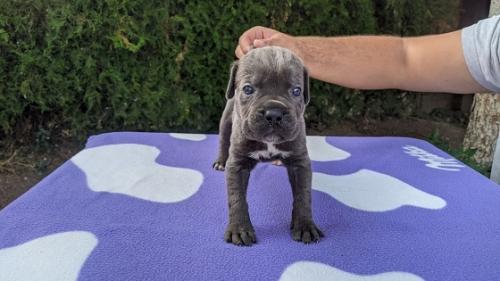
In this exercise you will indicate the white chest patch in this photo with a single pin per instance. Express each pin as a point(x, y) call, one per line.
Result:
point(270, 152)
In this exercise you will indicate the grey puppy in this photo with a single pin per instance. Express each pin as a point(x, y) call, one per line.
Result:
point(263, 120)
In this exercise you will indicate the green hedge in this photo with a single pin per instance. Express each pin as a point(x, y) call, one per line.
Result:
point(82, 66)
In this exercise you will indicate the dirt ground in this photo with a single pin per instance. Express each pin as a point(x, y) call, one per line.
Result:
point(21, 167)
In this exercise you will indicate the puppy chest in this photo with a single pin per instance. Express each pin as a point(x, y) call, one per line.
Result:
point(270, 153)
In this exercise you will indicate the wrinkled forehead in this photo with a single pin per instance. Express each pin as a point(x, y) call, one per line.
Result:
point(270, 64)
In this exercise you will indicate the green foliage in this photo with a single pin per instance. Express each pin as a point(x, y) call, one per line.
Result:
point(82, 66)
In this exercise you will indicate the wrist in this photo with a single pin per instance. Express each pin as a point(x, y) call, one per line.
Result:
point(293, 44)
point(299, 46)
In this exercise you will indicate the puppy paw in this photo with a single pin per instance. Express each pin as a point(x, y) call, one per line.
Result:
point(306, 232)
point(218, 165)
point(240, 234)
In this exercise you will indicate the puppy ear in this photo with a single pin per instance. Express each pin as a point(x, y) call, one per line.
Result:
point(306, 86)
point(232, 77)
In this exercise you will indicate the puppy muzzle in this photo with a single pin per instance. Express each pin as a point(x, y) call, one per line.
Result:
point(272, 122)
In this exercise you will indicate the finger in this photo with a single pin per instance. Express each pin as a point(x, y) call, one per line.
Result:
point(258, 43)
point(238, 52)
point(245, 41)
point(247, 38)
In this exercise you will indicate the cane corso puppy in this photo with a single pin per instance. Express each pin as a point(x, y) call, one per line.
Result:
point(263, 120)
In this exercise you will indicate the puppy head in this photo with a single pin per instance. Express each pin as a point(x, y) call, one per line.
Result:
point(270, 86)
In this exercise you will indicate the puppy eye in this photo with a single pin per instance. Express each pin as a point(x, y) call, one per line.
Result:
point(248, 90)
point(296, 91)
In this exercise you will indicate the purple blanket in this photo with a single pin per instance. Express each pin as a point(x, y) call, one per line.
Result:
point(148, 206)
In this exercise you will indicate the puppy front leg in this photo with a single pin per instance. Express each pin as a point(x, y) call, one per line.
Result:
point(239, 231)
point(224, 135)
point(225, 129)
point(303, 227)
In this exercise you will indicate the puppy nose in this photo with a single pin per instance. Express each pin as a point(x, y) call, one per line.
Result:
point(273, 116)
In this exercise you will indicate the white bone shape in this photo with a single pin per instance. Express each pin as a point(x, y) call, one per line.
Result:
point(306, 270)
point(56, 257)
point(371, 191)
point(191, 137)
point(131, 169)
point(320, 150)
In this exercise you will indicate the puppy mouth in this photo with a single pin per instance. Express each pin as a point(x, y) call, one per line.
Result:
point(272, 137)
point(274, 134)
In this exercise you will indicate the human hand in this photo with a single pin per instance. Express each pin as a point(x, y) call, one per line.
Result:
point(259, 36)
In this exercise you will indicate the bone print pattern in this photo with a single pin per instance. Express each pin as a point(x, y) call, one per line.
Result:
point(144, 206)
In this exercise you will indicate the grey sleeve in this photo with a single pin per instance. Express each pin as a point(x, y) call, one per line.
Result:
point(480, 43)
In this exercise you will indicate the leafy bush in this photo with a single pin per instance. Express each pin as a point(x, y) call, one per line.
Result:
point(81, 66)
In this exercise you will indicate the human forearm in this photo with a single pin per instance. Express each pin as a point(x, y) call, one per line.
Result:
point(363, 62)
point(428, 64)
point(432, 63)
